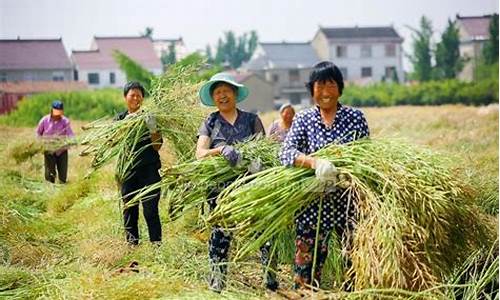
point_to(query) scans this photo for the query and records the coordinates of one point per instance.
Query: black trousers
(53, 161)
(140, 178)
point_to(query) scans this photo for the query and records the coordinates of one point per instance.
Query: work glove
(231, 155)
(325, 171)
(151, 123)
(255, 166)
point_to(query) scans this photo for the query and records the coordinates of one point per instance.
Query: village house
(363, 54)
(261, 96)
(286, 66)
(98, 68)
(473, 32)
(34, 60)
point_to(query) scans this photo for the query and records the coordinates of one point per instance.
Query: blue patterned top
(307, 135)
(221, 132)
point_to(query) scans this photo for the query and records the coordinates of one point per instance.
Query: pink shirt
(47, 127)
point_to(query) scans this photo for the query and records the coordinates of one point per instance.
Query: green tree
(230, 48)
(448, 60)
(490, 50)
(169, 57)
(208, 53)
(241, 52)
(148, 32)
(422, 53)
(220, 54)
(252, 44)
(133, 70)
(205, 73)
(235, 50)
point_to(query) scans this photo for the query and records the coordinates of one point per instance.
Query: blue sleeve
(295, 142)
(361, 126)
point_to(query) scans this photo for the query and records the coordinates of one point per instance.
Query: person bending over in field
(144, 171)
(312, 129)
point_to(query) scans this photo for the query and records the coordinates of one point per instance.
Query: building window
(275, 77)
(366, 51)
(75, 75)
(112, 78)
(57, 76)
(390, 50)
(391, 74)
(294, 75)
(3, 77)
(341, 51)
(93, 78)
(366, 72)
(344, 73)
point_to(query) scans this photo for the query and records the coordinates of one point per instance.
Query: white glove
(151, 123)
(325, 171)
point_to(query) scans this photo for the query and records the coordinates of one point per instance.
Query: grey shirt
(222, 132)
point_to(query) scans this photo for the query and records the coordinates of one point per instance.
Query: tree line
(442, 60)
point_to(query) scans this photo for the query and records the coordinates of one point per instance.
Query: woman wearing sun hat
(217, 135)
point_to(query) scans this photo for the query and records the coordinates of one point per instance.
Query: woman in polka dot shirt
(312, 129)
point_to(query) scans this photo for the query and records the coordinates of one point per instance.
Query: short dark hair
(133, 85)
(325, 71)
(219, 83)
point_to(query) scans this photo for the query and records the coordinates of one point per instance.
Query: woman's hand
(231, 155)
(325, 170)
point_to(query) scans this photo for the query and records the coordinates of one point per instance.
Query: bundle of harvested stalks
(173, 102)
(415, 219)
(191, 181)
(23, 151)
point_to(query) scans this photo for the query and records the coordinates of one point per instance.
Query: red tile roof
(33, 55)
(30, 87)
(140, 49)
(476, 27)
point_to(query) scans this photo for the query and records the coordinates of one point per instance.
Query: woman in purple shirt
(54, 126)
(279, 128)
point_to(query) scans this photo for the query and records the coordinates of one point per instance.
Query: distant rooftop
(33, 54)
(359, 32)
(475, 27)
(283, 55)
(139, 48)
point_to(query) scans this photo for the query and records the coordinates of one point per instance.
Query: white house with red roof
(98, 68)
(34, 60)
(473, 32)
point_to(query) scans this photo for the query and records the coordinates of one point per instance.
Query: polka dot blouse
(307, 135)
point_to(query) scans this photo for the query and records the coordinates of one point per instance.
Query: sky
(202, 22)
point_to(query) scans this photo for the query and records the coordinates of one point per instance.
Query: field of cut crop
(67, 241)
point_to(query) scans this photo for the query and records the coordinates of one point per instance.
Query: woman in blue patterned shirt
(312, 129)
